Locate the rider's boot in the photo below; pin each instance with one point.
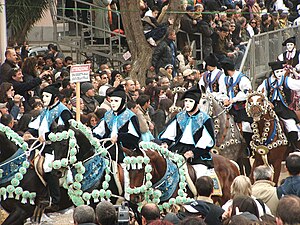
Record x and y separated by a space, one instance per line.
293 139
54 191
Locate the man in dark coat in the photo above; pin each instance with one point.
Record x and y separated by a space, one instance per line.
9 63
165 53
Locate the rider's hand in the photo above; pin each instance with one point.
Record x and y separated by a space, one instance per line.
114 139
41 139
189 154
226 102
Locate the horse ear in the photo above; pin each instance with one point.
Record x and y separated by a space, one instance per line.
263 90
203 89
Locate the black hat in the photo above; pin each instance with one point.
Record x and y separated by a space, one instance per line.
227 64
52 89
289 40
211 60
118 92
86 86
193 93
198 207
277 65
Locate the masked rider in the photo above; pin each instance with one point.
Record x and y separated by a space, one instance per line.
238 85
213 79
191 133
291 56
54 114
119 124
277 88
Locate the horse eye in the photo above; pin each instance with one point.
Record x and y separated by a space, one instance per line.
204 102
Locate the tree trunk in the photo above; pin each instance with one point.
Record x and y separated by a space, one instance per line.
141 51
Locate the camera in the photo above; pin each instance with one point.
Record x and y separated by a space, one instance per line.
123 213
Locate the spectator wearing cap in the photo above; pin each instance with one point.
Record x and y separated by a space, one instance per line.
213 79
116 78
189 78
88 94
195 208
167 71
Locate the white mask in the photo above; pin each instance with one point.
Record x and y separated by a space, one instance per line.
189 104
279 73
115 103
290 46
47 98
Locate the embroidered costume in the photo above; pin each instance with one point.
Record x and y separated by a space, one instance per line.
119 122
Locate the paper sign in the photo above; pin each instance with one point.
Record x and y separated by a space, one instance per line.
80 73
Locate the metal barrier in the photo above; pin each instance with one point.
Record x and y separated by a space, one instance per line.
264 48
84 36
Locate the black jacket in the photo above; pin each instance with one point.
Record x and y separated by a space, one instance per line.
4 70
163 54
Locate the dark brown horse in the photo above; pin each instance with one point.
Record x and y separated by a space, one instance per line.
268 141
19 212
225 169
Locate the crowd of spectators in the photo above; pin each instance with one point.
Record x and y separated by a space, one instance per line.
225 26
250 204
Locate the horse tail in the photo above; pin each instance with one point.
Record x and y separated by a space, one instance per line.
236 165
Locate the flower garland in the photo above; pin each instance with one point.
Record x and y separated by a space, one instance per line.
261 148
75 193
217 126
150 194
13 190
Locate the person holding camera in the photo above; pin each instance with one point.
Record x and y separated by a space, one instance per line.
22 87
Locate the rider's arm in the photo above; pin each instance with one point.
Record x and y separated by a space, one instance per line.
130 138
99 130
169 134
245 86
293 84
206 140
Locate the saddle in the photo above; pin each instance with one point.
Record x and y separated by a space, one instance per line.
38 161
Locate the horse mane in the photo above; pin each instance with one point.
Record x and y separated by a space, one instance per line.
7 147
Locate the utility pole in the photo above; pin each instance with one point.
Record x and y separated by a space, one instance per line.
3 37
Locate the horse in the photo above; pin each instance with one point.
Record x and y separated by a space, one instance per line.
268 141
229 141
151 162
91 171
25 206
20 183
